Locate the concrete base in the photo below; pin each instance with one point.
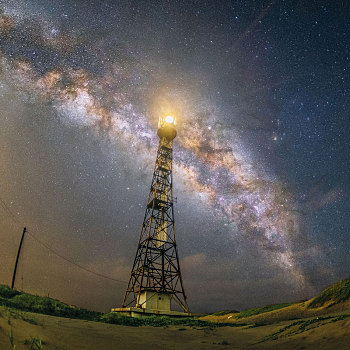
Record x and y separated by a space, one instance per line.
154 301
140 312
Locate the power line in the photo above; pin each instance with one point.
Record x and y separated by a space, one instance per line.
8 210
72 262
14 219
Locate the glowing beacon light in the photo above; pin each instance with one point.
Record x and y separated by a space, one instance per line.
169 119
166 127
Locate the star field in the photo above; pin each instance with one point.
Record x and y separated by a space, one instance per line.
261 162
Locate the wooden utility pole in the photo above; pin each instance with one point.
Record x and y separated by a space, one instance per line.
17 258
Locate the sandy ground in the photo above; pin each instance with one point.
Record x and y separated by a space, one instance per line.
68 334
292 312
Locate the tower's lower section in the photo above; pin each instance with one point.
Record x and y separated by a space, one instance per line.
139 312
152 303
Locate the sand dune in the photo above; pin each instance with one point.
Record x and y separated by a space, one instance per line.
330 332
322 323
292 312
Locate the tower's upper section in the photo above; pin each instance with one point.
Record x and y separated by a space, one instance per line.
166 127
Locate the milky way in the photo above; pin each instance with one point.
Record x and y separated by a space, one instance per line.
117 94
257 205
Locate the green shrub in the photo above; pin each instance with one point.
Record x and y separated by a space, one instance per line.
35 343
158 321
115 318
7 292
224 342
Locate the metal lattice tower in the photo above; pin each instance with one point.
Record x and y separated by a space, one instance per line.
156 270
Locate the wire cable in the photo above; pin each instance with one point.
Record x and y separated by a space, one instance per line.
72 262
15 220
8 210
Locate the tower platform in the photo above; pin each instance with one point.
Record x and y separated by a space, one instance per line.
138 312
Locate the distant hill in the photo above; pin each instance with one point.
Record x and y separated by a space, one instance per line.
334 298
336 293
27 302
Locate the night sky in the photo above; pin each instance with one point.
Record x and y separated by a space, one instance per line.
261 92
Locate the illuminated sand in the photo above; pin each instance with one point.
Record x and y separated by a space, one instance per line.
61 333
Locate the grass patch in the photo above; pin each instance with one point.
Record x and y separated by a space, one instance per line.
35 343
31 321
7 292
260 310
12 339
44 305
224 312
258 324
160 321
303 325
336 293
